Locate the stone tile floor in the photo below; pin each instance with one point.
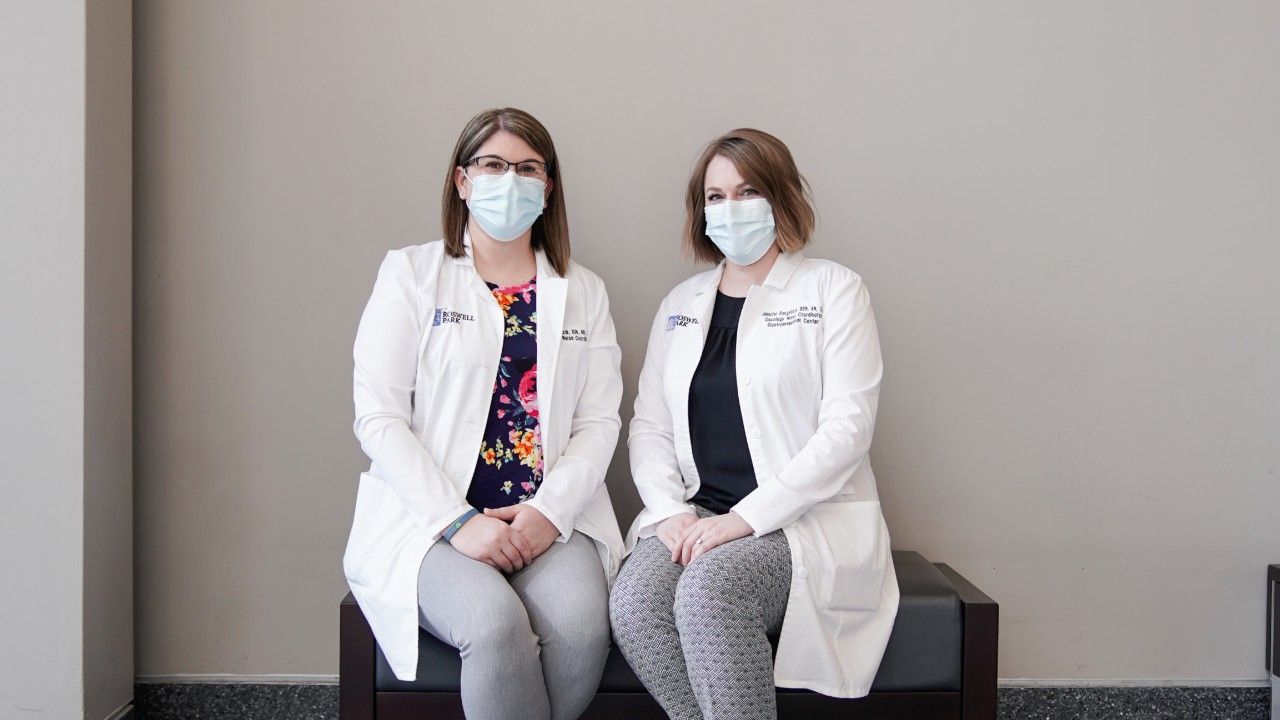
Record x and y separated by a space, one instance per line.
212 701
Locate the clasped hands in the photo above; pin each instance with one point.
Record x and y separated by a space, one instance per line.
688 537
508 538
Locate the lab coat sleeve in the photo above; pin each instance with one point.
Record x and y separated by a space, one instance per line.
851 373
593 434
386 362
651 439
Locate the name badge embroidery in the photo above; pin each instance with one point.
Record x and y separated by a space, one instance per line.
573 335
799 315
675 321
446 316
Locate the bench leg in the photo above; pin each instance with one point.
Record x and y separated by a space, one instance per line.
981 617
356 662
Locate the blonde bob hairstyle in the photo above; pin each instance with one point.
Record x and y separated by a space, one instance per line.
766 164
551 229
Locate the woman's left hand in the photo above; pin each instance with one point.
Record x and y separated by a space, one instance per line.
708 533
526 520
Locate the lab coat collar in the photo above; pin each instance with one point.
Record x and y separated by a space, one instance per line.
783 268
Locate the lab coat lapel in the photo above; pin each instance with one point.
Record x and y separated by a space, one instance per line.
551 297
476 282
783 268
486 304
699 310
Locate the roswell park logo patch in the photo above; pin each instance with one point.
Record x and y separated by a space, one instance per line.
445 316
675 321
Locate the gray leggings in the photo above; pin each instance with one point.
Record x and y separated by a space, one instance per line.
696 636
533 644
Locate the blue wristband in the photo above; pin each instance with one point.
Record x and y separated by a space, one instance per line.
457 524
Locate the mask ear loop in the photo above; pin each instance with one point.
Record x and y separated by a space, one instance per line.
467 177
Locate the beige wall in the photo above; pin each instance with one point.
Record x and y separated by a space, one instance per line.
1066 214
108 367
66 537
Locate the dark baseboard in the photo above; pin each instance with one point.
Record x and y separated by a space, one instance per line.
281 701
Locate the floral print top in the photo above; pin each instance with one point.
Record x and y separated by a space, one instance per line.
509 468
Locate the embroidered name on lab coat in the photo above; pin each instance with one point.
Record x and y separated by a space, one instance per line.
574 335
444 316
799 315
675 321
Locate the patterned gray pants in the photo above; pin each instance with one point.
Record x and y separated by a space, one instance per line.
696 636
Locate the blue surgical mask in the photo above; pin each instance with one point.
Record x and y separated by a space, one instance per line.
742 229
506 205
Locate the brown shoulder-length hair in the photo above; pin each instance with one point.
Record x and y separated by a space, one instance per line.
766 163
551 229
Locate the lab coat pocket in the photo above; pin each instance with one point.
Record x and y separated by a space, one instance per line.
851 540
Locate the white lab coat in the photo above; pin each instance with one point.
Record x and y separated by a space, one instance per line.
426 356
808 370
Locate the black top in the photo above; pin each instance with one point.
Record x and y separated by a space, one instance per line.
715 417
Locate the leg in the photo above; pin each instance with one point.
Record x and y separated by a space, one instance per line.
726 602
644 627
471 606
567 597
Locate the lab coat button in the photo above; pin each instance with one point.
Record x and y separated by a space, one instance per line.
755 434
746 379
802 573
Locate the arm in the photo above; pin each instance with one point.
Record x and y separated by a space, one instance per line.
386 364
851 372
593 434
651 440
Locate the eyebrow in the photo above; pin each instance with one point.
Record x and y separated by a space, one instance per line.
740 185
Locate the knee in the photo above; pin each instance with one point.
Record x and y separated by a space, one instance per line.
634 604
499 629
702 596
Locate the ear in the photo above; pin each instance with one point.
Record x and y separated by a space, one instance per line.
546 192
460 182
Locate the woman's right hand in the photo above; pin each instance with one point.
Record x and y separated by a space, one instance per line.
493 542
671 530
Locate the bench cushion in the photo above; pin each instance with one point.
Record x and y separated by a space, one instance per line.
923 653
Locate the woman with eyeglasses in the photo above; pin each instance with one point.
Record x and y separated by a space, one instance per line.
486 395
754 415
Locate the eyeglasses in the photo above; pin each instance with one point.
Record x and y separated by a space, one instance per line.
494 165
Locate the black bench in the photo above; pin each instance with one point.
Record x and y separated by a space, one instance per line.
940 663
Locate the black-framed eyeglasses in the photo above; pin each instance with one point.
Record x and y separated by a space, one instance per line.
494 165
